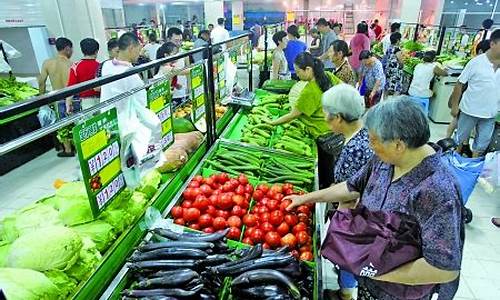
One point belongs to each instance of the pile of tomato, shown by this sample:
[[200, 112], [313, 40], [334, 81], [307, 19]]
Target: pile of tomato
[[215, 203], [270, 223]]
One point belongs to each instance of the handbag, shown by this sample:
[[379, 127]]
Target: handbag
[[331, 143]]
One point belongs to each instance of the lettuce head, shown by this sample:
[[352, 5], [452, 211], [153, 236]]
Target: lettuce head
[[63, 282], [100, 232], [88, 259], [25, 284]]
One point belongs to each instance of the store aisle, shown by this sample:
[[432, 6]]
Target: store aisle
[[34, 180]]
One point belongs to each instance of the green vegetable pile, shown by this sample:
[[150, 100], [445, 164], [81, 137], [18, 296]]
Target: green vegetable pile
[[410, 64], [258, 131], [294, 139], [378, 49], [12, 91], [235, 160], [281, 170], [412, 46], [278, 86]]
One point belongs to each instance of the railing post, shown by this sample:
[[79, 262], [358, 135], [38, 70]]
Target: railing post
[[210, 103], [441, 40]]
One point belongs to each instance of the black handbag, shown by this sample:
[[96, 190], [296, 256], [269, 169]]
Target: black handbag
[[331, 143]]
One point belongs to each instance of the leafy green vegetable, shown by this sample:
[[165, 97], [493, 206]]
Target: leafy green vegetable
[[53, 247], [25, 284], [63, 282], [100, 232], [150, 183], [413, 46], [72, 202], [4, 252], [29, 218], [137, 203], [72, 189], [88, 259], [12, 91], [118, 218]]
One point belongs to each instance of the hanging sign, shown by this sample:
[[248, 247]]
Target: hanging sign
[[221, 77], [97, 142], [197, 76], [160, 102]]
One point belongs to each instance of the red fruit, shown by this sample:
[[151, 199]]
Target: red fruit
[[262, 209], [248, 188], [271, 194], [272, 205], [210, 181], [234, 221], [217, 192], [177, 212], [289, 240], [238, 199], [258, 195], [304, 209], [299, 227], [206, 190], [234, 233], [225, 201], [283, 229], [287, 192], [263, 187], [205, 220], [243, 179], [302, 237], [287, 186], [304, 218], [305, 248], [284, 204], [219, 223], [265, 201], [273, 239], [250, 220], [211, 210], [196, 192], [213, 199], [191, 214], [201, 203], [199, 178], [295, 253], [307, 256], [186, 204], [249, 231], [257, 235], [266, 227], [264, 217], [188, 194], [291, 220], [266, 246], [238, 211], [240, 190], [209, 230], [223, 214], [180, 221], [245, 204], [194, 184], [276, 217], [278, 197], [222, 178], [277, 188], [248, 241], [195, 226], [227, 187]]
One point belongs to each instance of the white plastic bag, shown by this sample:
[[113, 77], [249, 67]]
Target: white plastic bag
[[11, 53], [46, 116], [490, 176]]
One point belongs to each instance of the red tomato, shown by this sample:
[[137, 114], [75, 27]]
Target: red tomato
[[287, 186], [265, 201], [186, 204], [305, 248], [177, 212], [291, 220], [276, 217], [250, 220], [219, 223], [262, 209], [248, 241], [249, 231], [222, 178], [283, 229], [206, 190], [299, 227], [195, 226], [209, 230], [194, 184], [263, 187], [277, 188], [271, 194], [266, 227], [264, 217], [234, 221], [223, 214], [238, 199], [225, 201], [234, 183], [266, 246], [211, 210], [180, 221], [191, 214], [273, 239], [213, 199], [247, 196], [287, 192], [272, 205], [217, 192], [278, 196], [240, 190], [205, 221], [243, 179], [257, 235], [307, 255], [196, 192], [304, 209], [258, 195], [227, 187], [234, 233], [199, 178], [289, 240], [211, 181], [302, 237], [284, 204], [295, 253], [248, 188], [188, 194], [245, 204], [201, 203], [238, 211]]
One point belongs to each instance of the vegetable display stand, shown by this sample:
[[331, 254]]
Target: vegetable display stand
[[225, 119]]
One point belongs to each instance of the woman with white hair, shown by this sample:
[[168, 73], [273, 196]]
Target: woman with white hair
[[408, 176], [344, 108]]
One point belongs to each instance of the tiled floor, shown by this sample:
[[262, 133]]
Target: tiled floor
[[481, 261]]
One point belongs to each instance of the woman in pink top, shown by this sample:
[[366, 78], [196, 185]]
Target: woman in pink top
[[359, 42]]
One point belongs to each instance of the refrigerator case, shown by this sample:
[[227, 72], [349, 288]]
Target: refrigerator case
[[439, 112]]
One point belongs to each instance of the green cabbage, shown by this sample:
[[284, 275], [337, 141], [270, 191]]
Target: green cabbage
[[72, 189], [136, 204], [121, 201], [25, 284], [118, 218], [150, 183], [4, 252], [88, 259], [29, 218], [53, 247], [63, 282], [100, 232], [73, 204]]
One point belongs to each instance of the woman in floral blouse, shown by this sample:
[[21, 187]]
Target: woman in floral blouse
[[338, 53], [394, 67]]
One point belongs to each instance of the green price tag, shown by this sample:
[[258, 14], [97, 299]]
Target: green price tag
[[97, 142], [160, 102], [233, 55], [221, 78], [197, 76]]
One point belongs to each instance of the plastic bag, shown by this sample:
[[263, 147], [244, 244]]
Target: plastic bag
[[466, 171], [489, 179], [46, 116]]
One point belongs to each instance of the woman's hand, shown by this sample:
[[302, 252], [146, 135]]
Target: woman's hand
[[296, 201]]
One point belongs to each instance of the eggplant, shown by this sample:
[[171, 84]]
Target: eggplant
[[169, 253], [259, 292], [162, 292], [280, 251], [176, 244], [260, 263], [216, 259], [202, 237], [170, 279], [254, 253], [267, 276], [293, 270], [164, 264], [204, 296]]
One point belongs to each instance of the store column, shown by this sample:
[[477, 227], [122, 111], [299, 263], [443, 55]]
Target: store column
[[410, 11], [76, 20], [238, 19], [213, 11]]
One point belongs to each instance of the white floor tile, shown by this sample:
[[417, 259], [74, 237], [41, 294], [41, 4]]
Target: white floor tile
[[483, 288], [472, 268], [464, 290]]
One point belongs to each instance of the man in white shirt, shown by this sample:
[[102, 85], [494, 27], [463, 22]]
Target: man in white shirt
[[219, 33], [174, 35], [386, 41], [152, 46], [481, 101]]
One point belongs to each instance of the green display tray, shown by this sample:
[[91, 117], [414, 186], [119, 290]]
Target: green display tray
[[114, 258], [18, 116], [276, 136], [225, 120], [234, 129]]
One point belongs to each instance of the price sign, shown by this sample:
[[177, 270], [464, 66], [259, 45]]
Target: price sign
[[221, 77], [97, 142], [160, 102], [197, 76], [233, 56]]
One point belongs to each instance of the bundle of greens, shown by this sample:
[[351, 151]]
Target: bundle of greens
[[12, 91]]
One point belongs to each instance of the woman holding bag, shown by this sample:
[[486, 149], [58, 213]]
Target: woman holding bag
[[406, 176]]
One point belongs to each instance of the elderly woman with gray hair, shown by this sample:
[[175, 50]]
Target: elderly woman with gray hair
[[344, 107], [408, 176]]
